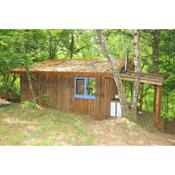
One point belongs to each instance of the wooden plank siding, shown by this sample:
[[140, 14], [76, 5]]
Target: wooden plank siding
[[58, 92], [24, 86]]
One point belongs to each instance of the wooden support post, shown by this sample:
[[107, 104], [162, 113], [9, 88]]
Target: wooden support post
[[155, 92], [158, 105]]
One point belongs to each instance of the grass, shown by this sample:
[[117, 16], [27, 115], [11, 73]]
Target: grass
[[28, 124]]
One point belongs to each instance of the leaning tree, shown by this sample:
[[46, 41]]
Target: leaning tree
[[115, 72]]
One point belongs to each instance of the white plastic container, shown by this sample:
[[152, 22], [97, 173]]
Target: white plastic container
[[115, 109], [119, 111], [113, 112]]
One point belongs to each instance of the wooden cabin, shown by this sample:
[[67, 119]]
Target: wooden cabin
[[81, 86]]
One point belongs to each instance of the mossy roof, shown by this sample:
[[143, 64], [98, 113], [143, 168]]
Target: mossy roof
[[74, 65]]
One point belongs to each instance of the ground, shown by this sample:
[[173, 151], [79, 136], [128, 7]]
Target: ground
[[28, 124]]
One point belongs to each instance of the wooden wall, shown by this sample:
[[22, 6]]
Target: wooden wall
[[57, 91]]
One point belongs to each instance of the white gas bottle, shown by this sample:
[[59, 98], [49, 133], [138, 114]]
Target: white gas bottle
[[115, 110]]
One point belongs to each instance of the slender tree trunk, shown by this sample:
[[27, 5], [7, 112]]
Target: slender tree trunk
[[155, 48], [137, 71], [30, 83], [115, 72], [52, 49], [50, 44], [27, 70], [72, 44]]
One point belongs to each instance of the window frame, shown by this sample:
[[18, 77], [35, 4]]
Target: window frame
[[84, 96]]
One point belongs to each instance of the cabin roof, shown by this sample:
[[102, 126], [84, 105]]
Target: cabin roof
[[74, 65], [90, 67]]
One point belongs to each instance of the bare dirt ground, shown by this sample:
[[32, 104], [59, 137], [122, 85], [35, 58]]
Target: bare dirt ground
[[124, 132], [27, 125]]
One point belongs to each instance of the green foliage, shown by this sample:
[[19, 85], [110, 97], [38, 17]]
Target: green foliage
[[46, 99], [24, 47], [30, 105]]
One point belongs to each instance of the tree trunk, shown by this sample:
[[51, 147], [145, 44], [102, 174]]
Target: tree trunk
[[30, 83], [50, 44], [155, 48], [115, 73], [72, 44], [52, 50], [137, 71]]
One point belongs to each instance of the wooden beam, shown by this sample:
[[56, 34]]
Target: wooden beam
[[158, 105], [143, 79]]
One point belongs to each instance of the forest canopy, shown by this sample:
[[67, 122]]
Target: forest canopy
[[25, 47]]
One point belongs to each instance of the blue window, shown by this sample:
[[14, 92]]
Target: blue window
[[85, 88]]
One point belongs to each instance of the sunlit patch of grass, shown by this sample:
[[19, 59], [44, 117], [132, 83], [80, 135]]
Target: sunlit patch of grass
[[90, 139], [47, 142], [11, 137], [39, 126]]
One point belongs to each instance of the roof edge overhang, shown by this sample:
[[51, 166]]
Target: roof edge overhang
[[152, 79]]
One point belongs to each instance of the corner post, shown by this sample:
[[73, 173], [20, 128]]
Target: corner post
[[158, 105]]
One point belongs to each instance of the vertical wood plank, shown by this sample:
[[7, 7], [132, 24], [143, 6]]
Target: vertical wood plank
[[101, 100], [71, 94], [49, 87], [98, 106], [55, 92], [39, 90], [58, 91]]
